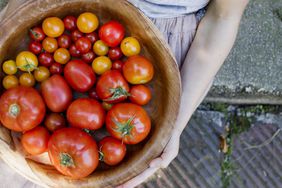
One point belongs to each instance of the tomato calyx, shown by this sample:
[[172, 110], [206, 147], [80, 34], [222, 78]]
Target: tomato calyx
[[66, 160], [124, 128], [28, 66], [117, 93], [34, 34], [14, 110], [101, 154]]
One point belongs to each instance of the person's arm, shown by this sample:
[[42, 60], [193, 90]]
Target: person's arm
[[214, 39]]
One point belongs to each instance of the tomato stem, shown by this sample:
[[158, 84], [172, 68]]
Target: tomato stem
[[66, 160], [124, 128], [34, 33], [117, 93], [101, 154], [14, 110]]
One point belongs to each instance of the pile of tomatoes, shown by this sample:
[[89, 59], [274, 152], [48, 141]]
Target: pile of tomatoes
[[77, 76]]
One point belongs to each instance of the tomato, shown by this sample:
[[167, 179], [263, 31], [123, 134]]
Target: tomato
[[88, 57], [138, 70], [10, 81], [115, 53], [53, 27], [100, 48], [75, 35], [130, 46], [9, 67], [22, 108], [74, 52], [87, 22], [36, 34], [45, 59], [35, 47], [107, 106], [112, 151], [140, 94], [50, 44], [128, 122], [93, 94], [79, 75], [101, 64], [41, 74], [35, 141], [27, 79], [117, 65], [83, 45], [112, 33], [54, 121], [62, 56], [70, 22], [86, 114], [26, 61], [64, 41], [112, 87], [56, 93], [56, 68], [93, 37]]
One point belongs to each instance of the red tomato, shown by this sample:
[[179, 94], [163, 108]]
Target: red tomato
[[46, 59], [112, 151], [35, 47], [88, 57], [76, 34], [70, 23], [79, 75], [73, 152], [112, 87], [74, 51], [93, 94], [64, 41], [93, 37], [56, 68], [86, 114], [22, 108], [112, 33], [83, 45], [140, 94], [117, 65], [54, 121], [56, 93], [115, 53], [35, 141], [37, 34], [128, 122]]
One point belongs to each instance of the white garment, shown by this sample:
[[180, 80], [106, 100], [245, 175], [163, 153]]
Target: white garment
[[168, 8]]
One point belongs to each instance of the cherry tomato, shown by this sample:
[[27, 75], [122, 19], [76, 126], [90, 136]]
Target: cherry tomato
[[35, 47], [107, 106], [35, 141], [56, 68], [88, 57], [50, 44], [112, 33], [86, 114], [140, 94], [54, 121], [10, 81], [115, 53], [62, 56], [36, 34], [26, 61], [112, 87], [70, 23], [93, 37], [56, 93], [53, 27], [27, 79], [101, 64], [117, 65], [128, 122], [45, 59], [22, 108], [130, 46], [9, 67], [83, 45], [100, 48], [79, 75], [73, 152], [138, 70], [64, 41], [41, 74], [75, 35], [112, 151], [87, 22], [93, 94], [74, 52]]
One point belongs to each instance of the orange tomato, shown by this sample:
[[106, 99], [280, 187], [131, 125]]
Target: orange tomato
[[100, 48], [62, 56], [10, 81], [50, 44], [27, 79], [53, 27], [130, 46], [101, 64], [87, 22], [41, 74]]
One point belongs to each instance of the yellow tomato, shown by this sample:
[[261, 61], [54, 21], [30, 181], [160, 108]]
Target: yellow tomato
[[101, 64], [26, 61], [87, 22], [62, 56], [9, 67], [53, 27], [100, 48], [10, 81], [27, 79], [50, 44], [41, 74], [130, 46]]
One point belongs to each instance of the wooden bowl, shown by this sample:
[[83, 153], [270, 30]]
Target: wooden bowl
[[166, 87]]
